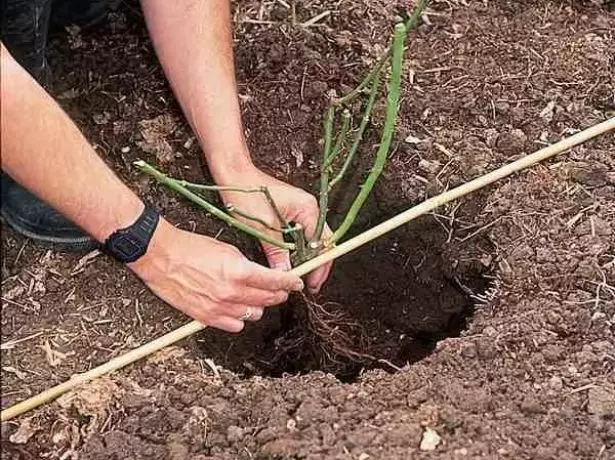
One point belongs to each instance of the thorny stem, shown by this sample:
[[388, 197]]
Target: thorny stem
[[383, 59], [372, 77], [352, 95], [413, 20], [323, 201], [359, 136], [233, 210], [387, 135], [233, 188], [340, 139], [230, 220], [302, 252]]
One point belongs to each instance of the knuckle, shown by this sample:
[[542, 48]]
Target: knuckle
[[240, 271], [311, 203]]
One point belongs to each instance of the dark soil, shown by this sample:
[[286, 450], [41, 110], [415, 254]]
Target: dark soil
[[499, 309], [393, 301]]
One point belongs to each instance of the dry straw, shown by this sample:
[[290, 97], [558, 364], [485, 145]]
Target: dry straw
[[335, 252]]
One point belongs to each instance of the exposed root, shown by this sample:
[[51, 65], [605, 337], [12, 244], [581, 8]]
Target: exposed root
[[324, 335]]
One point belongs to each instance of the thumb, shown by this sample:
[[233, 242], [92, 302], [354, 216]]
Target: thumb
[[277, 258]]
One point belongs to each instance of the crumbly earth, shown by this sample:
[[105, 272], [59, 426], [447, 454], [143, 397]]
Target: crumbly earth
[[525, 267]]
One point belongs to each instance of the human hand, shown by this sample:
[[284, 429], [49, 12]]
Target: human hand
[[294, 204], [209, 280]]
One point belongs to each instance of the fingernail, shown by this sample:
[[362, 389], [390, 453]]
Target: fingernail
[[299, 286]]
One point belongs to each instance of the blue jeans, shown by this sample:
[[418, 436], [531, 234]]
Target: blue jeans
[[26, 23]]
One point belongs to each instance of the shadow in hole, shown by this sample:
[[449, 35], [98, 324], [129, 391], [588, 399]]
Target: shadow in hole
[[397, 297]]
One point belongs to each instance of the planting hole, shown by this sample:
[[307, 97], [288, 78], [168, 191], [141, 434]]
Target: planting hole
[[388, 303]]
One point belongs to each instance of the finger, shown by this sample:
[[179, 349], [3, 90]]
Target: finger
[[277, 258], [316, 279], [243, 312], [307, 216], [256, 313], [228, 324], [257, 276], [258, 297]]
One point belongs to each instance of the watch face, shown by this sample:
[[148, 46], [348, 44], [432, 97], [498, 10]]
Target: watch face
[[127, 246]]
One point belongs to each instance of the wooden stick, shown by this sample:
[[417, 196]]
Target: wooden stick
[[304, 269]]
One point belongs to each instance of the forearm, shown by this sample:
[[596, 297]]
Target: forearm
[[194, 44], [45, 152]]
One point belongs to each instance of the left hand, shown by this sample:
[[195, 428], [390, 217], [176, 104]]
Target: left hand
[[294, 204]]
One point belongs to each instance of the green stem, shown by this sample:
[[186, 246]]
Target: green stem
[[411, 23], [413, 20], [233, 210], [301, 253], [352, 95], [340, 139], [234, 188], [178, 187], [323, 201], [359, 137], [387, 134]]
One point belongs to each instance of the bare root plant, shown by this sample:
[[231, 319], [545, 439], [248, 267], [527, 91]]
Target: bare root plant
[[337, 337]]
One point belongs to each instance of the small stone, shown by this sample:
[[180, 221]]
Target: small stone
[[591, 178], [430, 440], [491, 136], [598, 317], [189, 143], [234, 434], [364, 456], [512, 142], [603, 346], [486, 260], [468, 350], [490, 331], [556, 383], [552, 353], [315, 90], [586, 355], [553, 318], [531, 405], [548, 111], [410, 139], [502, 107], [101, 118], [601, 401], [432, 167], [125, 149], [24, 432], [291, 424], [486, 349]]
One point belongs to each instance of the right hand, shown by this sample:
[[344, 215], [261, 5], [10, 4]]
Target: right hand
[[210, 281]]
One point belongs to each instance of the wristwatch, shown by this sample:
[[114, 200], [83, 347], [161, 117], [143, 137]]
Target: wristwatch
[[129, 244]]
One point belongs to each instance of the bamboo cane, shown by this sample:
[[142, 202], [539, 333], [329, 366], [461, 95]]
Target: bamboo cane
[[335, 252]]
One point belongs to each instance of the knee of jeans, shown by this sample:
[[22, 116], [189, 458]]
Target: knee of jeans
[[25, 25]]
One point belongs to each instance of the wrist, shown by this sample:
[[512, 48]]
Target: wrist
[[130, 243], [227, 166], [158, 251]]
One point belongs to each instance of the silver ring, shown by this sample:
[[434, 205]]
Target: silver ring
[[247, 316]]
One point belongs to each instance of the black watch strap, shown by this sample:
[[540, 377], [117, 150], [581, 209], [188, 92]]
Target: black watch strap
[[129, 244]]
